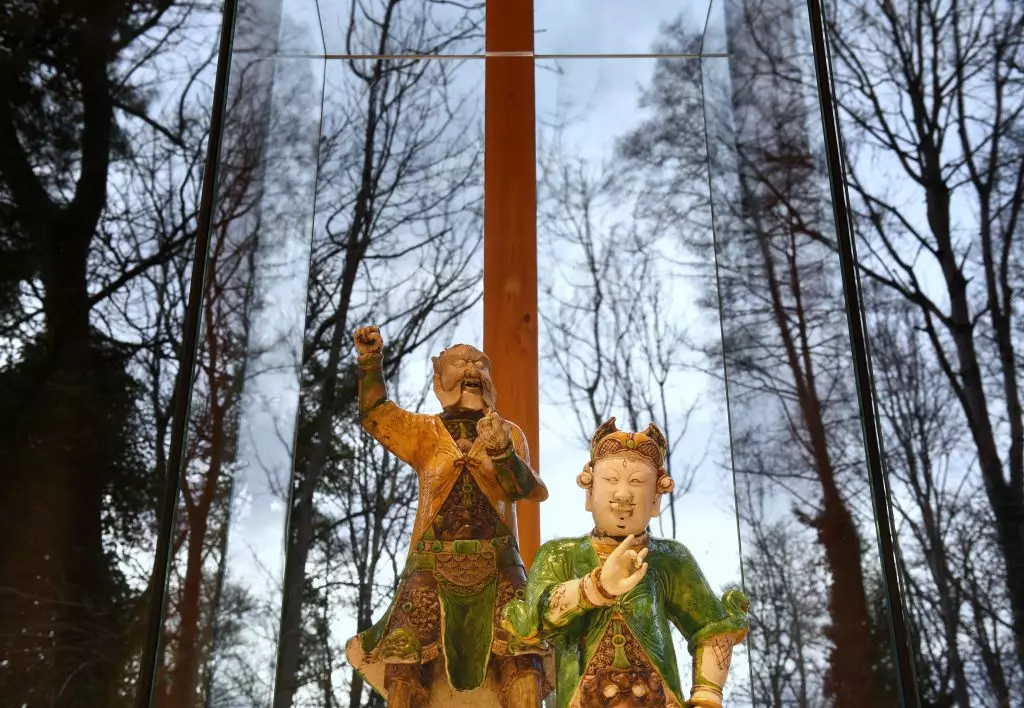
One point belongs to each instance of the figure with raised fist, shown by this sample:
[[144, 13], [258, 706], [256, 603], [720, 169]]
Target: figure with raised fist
[[440, 641]]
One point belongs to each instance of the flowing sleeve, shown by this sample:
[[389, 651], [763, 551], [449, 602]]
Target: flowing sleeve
[[530, 619], [401, 432], [515, 472], [696, 611], [404, 434]]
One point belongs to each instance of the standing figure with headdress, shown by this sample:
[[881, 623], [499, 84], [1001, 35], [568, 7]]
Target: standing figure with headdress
[[606, 599], [440, 641]]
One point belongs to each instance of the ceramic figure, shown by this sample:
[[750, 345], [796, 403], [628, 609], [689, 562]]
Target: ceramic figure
[[440, 642], [606, 599]]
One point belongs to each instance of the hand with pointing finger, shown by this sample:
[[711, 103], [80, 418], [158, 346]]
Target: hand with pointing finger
[[624, 569]]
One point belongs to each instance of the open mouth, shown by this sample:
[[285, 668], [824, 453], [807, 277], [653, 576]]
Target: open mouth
[[473, 385]]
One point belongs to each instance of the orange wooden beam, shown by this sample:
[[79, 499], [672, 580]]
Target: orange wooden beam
[[510, 232]]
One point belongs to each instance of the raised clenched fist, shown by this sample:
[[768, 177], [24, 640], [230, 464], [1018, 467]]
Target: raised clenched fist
[[493, 431], [368, 340]]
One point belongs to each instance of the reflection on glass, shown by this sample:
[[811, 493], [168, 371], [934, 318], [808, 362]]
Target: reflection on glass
[[99, 191], [384, 27], [810, 554], [229, 532], [623, 330], [932, 175], [715, 39], [363, 207], [396, 243], [301, 31], [612, 27]]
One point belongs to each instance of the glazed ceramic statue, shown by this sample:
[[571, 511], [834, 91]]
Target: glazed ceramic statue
[[606, 599], [440, 642]]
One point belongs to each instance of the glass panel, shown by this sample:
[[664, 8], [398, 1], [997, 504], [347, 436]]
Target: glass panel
[[370, 215], [384, 27], [716, 36], [301, 31], [99, 191], [629, 321], [397, 243], [820, 626], [614, 27], [229, 544], [932, 177]]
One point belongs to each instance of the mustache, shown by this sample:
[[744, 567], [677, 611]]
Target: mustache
[[484, 382]]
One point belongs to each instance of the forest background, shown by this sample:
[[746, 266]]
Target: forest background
[[690, 277]]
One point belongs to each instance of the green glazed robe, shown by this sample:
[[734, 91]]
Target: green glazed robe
[[673, 590]]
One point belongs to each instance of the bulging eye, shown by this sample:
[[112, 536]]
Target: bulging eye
[[461, 363]]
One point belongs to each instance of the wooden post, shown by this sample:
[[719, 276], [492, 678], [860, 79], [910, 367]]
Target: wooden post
[[510, 232]]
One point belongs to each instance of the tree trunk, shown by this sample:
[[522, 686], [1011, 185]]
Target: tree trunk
[[60, 441], [950, 610], [185, 667], [301, 537], [850, 679], [1006, 500], [355, 691]]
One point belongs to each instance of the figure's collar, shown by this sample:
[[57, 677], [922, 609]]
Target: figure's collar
[[605, 544], [461, 414]]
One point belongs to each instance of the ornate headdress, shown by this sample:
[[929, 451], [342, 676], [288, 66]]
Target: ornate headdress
[[609, 440]]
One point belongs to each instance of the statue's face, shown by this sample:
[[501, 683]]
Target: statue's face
[[624, 495], [462, 379]]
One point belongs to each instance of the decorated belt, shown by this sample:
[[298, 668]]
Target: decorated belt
[[466, 562], [465, 546]]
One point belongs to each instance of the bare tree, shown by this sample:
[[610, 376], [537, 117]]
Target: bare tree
[[228, 304], [378, 504], [397, 221], [989, 628], [932, 110], [612, 328], [786, 585], [785, 349], [83, 242], [925, 434]]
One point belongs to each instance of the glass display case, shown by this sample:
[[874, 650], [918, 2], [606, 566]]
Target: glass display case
[[642, 210], [666, 196]]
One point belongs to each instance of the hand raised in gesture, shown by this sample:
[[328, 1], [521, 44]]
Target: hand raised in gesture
[[624, 569]]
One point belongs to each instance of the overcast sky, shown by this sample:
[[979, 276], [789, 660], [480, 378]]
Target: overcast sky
[[560, 26]]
